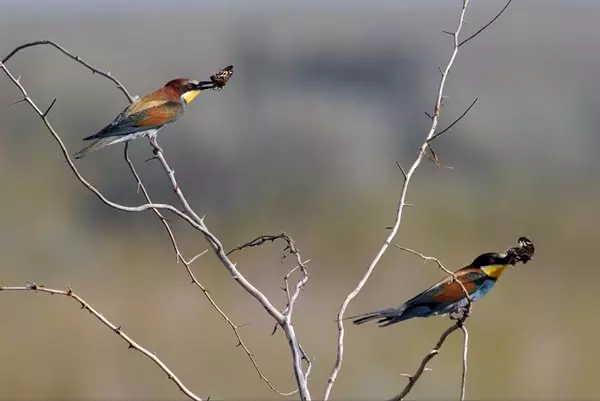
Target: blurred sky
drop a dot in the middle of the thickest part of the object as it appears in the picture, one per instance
(326, 97)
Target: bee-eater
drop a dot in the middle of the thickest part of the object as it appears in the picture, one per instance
(448, 296)
(146, 116)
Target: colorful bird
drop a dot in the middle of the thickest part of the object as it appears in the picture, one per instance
(146, 116)
(448, 295)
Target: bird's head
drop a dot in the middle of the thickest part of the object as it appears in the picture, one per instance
(187, 89)
(492, 264)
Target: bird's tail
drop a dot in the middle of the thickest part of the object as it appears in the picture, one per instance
(95, 145)
(384, 317)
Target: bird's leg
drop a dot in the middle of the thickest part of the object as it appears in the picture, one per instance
(154, 142)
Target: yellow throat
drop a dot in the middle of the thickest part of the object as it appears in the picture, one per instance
(188, 97)
(494, 271)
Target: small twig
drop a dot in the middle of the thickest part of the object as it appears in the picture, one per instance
(49, 107)
(72, 57)
(401, 169)
(486, 25)
(116, 329)
(261, 240)
(455, 121)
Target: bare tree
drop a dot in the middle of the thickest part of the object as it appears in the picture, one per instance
(295, 279)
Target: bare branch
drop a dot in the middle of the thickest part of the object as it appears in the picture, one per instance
(400, 208)
(483, 28)
(78, 59)
(463, 384)
(33, 287)
(284, 320)
(290, 249)
(455, 121)
(412, 379)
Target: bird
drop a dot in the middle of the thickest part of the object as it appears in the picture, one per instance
(149, 114)
(448, 296)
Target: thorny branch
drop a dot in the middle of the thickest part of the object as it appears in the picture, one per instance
(187, 264)
(190, 216)
(78, 59)
(116, 329)
(412, 379)
(403, 193)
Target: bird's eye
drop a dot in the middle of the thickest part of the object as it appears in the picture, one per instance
(190, 86)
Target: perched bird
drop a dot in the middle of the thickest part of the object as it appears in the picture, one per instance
(146, 116)
(448, 296)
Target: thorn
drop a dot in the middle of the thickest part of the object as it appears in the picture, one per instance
(428, 115)
(408, 376)
(427, 370)
(17, 102)
(118, 329)
(130, 347)
(18, 79)
(49, 108)
(441, 71)
(402, 170)
(449, 33)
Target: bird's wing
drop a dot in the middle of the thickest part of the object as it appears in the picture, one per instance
(448, 290)
(136, 118)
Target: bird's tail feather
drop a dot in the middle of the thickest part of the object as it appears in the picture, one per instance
(97, 144)
(384, 317)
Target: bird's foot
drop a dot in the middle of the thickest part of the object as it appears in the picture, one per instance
(460, 314)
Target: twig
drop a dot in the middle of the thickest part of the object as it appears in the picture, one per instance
(78, 59)
(412, 379)
(455, 121)
(486, 25)
(399, 210)
(116, 329)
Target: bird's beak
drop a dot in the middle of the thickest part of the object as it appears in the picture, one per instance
(190, 95)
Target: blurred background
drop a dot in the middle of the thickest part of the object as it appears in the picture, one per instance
(326, 97)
